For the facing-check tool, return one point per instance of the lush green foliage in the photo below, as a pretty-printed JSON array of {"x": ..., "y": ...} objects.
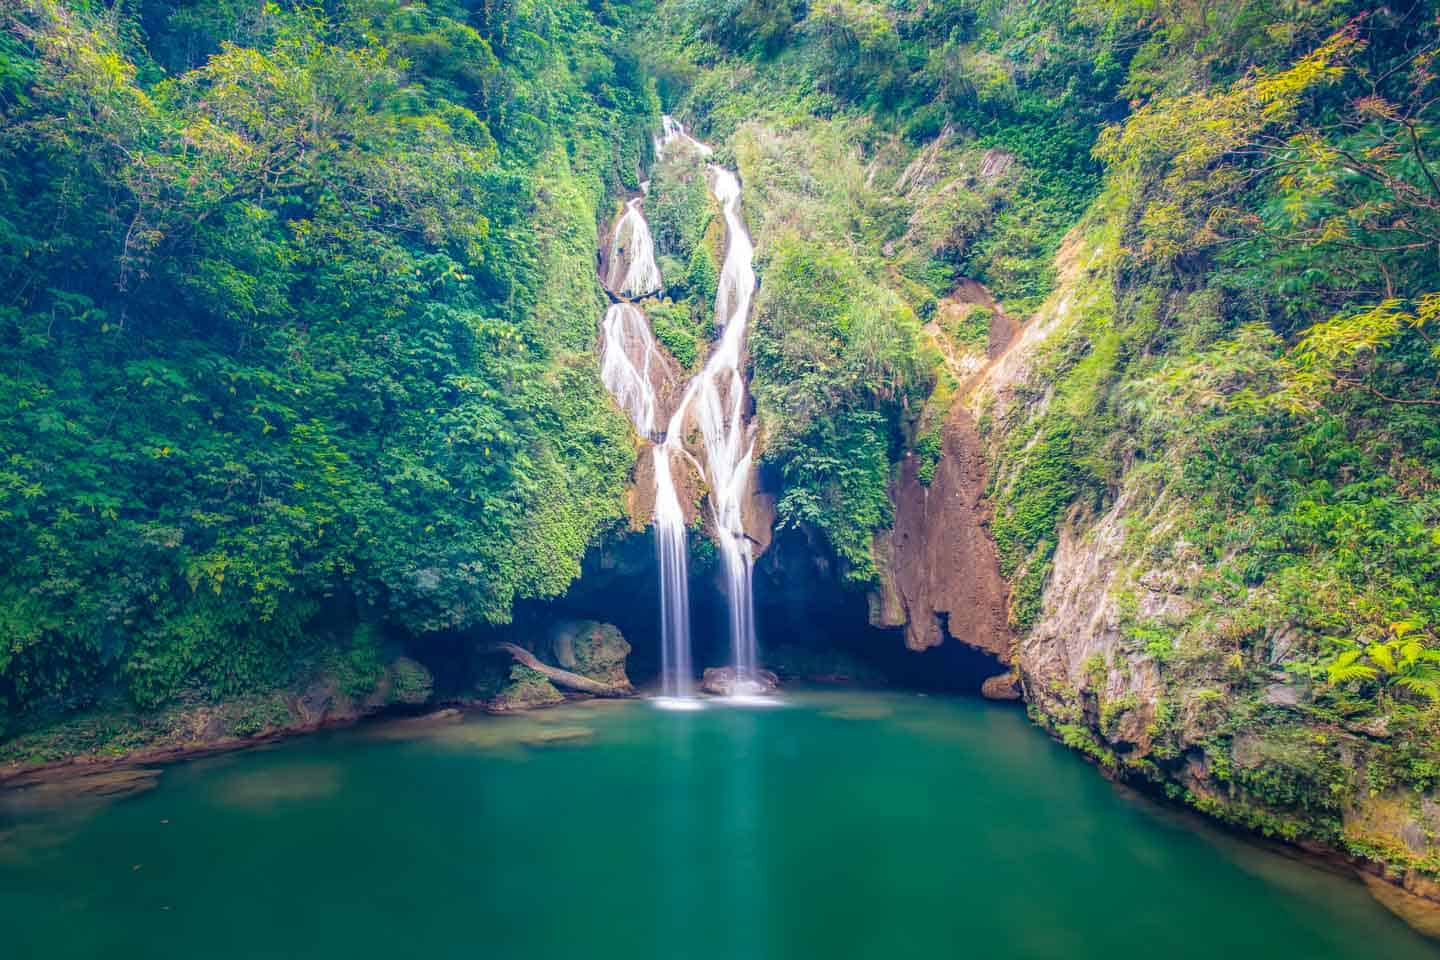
[
  {"x": 689, "y": 238},
  {"x": 675, "y": 326},
  {"x": 297, "y": 323},
  {"x": 834, "y": 358},
  {"x": 1249, "y": 373}
]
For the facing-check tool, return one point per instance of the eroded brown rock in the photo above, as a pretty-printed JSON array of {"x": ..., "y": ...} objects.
[
  {"x": 943, "y": 572},
  {"x": 939, "y": 575},
  {"x": 1004, "y": 686}
]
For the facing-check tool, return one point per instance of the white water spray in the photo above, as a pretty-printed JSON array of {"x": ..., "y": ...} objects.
[
  {"x": 677, "y": 674},
  {"x": 629, "y": 362},
  {"x": 633, "y": 271}
]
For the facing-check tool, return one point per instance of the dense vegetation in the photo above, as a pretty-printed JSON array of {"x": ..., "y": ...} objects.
[
  {"x": 1239, "y": 383},
  {"x": 297, "y": 315},
  {"x": 887, "y": 151}
]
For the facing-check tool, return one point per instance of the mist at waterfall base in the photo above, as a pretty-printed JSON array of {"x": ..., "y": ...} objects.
[{"x": 847, "y": 825}]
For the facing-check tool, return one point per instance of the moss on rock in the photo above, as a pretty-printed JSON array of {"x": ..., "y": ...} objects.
[{"x": 527, "y": 688}]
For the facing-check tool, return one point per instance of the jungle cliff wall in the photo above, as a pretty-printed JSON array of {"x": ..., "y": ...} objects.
[{"x": 1125, "y": 646}]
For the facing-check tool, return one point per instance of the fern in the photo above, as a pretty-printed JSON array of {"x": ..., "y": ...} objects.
[{"x": 1347, "y": 667}]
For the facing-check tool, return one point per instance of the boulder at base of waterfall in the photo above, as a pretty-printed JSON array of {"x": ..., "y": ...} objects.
[
  {"x": 722, "y": 681},
  {"x": 591, "y": 649}
]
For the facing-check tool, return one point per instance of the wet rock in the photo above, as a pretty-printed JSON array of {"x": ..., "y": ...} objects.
[
  {"x": 1377, "y": 728},
  {"x": 887, "y": 607},
  {"x": 757, "y": 516},
  {"x": 722, "y": 681},
  {"x": 266, "y": 789},
  {"x": 1004, "y": 686},
  {"x": 405, "y": 728},
  {"x": 57, "y": 788},
  {"x": 1284, "y": 695},
  {"x": 562, "y": 644}
]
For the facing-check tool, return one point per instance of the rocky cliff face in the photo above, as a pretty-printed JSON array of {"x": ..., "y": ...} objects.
[
  {"x": 939, "y": 575},
  {"x": 1120, "y": 651}
]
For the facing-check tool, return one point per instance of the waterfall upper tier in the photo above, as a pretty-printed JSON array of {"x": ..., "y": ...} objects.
[{"x": 631, "y": 271}]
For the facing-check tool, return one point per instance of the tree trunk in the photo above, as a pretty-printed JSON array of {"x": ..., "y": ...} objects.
[{"x": 563, "y": 678}]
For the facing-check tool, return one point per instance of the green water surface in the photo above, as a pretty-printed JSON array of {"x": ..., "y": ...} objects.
[{"x": 837, "y": 826}]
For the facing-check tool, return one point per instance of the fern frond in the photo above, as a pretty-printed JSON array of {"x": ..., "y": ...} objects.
[
  {"x": 1383, "y": 655},
  {"x": 1427, "y": 688},
  {"x": 1346, "y": 669},
  {"x": 1403, "y": 628}
]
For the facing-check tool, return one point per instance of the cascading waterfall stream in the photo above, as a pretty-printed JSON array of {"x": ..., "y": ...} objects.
[
  {"x": 677, "y": 675},
  {"x": 715, "y": 399},
  {"x": 626, "y": 334},
  {"x": 641, "y": 273}
]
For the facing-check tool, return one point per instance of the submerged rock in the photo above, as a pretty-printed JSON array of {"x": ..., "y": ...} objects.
[
  {"x": 722, "y": 681},
  {"x": 266, "y": 789}
]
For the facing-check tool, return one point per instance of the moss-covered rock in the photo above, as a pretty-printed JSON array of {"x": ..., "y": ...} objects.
[
  {"x": 592, "y": 649},
  {"x": 527, "y": 689},
  {"x": 410, "y": 683}
]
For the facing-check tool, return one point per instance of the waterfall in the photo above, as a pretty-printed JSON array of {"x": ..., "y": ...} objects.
[
  {"x": 633, "y": 271},
  {"x": 714, "y": 401},
  {"x": 673, "y": 131},
  {"x": 677, "y": 675},
  {"x": 626, "y": 335}
]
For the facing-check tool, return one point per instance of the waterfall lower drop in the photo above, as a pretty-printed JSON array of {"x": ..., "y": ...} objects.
[
  {"x": 677, "y": 674},
  {"x": 715, "y": 402}
]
